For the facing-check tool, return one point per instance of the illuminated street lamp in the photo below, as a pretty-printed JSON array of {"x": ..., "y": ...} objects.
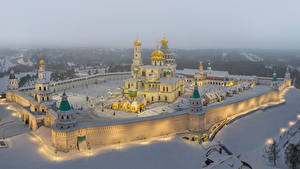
[
  {"x": 102, "y": 103},
  {"x": 283, "y": 130},
  {"x": 291, "y": 123},
  {"x": 269, "y": 141}
]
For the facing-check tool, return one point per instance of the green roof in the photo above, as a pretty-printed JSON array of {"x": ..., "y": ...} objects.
[
  {"x": 64, "y": 104},
  {"x": 287, "y": 70},
  {"x": 196, "y": 92},
  {"x": 274, "y": 79}
]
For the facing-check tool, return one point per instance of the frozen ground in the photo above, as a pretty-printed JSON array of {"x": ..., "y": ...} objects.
[
  {"x": 10, "y": 124},
  {"x": 247, "y": 136}
]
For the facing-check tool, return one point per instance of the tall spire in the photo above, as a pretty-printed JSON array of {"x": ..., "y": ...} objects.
[
  {"x": 157, "y": 45},
  {"x": 201, "y": 66}
]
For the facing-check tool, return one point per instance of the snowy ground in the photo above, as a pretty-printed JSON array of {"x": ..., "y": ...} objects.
[
  {"x": 247, "y": 136},
  {"x": 10, "y": 124}
]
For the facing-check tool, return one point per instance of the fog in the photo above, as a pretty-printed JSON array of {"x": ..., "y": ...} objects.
[{"x": 188, "y": 24}]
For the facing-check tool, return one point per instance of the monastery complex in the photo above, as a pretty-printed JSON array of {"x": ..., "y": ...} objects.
[{"x": 215, "y": 97}]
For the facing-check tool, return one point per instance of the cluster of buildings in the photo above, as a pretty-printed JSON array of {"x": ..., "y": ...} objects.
[
  {"x": 151, "y": 83},
  {"x": 158, "y": 82}
]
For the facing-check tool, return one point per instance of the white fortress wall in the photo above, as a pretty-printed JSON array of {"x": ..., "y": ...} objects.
[
  {"x": 102, "y": 133},
  {"x": 79, "y": 82}
]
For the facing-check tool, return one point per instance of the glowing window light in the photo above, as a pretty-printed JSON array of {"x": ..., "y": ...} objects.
[{"x": 298, "y": 116}]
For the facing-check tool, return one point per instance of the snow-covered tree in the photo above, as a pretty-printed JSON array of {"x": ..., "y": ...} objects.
[
  {"x": 271, "y": 151},
  {"x": 292, "y": 156}
]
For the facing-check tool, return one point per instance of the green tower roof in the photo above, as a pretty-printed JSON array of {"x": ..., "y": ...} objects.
[
  {"x": 274, "y": 79},
  {"x": 287, "y": 70},
  {"x": 196, "y": 92},
  {"x": 64, "y": 104}
]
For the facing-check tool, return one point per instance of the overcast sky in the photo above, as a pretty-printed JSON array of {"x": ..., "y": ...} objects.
[{"x": 116, "y": 23}]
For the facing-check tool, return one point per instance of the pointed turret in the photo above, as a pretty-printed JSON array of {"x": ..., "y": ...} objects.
[
  {"x": 65, "y": 114},
  {"x": 274, "y": 82},
  {"x": 209, "y": 66},
  {"x": 201, "y": 66},
  {"x": 195, "y": 100},
  {"x": 13, "y": 82},
  {"x": 287, "y": 74}
]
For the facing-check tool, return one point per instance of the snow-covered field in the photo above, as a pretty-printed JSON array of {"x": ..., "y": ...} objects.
[
  {"x": 247, "y": 136},
  {"x": 252, "y": 57}
]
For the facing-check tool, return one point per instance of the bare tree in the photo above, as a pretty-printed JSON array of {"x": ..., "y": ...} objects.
[
  {"x": 271, "y": 151},
  {"x": 292, "y": 156}
]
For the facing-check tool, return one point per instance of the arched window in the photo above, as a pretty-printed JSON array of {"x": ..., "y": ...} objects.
[
  {"x": 166, "y": 98},
  {"x": 152, "y": 98}
]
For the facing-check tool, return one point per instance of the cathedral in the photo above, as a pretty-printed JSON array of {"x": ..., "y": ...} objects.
[{"x": 152, "y": 83}]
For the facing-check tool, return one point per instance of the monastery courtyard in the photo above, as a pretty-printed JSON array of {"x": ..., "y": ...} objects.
[{"x": 91, "y": 110}]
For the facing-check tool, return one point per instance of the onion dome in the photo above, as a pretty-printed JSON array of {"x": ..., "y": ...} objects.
[
  {"x": 164, "y": 42},
  {"x": 100, "y": 66},
  {"x": 12, "y": 75},
  {"x": 132, "y": 92},
  {"x": 137, "y": 43},
  {"x": 274, "y": 79},
  {"x": 42, "y": 63},
  {"x": 157, "y": 54}
]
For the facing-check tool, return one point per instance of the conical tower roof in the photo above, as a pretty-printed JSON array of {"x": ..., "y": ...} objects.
[
  {"x": 196, "y": 92},
  {"x": 274, "y": 79},
  {"x": 64, "y": 104}
]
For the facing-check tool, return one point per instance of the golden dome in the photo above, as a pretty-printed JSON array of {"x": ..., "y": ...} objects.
[
  {"x": 164, "y": 42},
  {"x": 42, "y": 63},
  {"x": 157, "y": 54},
  {"x": 137, "y": 43}
]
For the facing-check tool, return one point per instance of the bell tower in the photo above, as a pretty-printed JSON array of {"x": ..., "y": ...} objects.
[
  {"x": 195, "y": 100},
  {"x": 42, "y": 91},
  {"x": 137, "y": 57},
  {"x": 13, "y": 82}
]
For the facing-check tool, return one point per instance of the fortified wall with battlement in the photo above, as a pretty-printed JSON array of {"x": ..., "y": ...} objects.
[{"x": 112, "y": 132}]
